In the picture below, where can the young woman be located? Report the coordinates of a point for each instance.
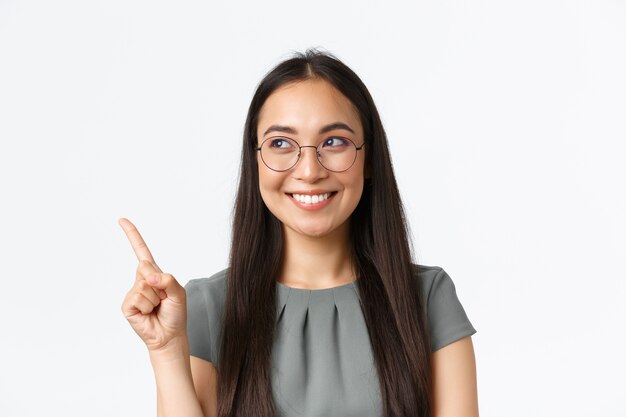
(321, 311)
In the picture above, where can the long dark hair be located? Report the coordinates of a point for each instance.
(392, 302)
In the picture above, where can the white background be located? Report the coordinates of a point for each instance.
(506, 122)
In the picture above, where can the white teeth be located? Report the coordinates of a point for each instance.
(310, 199)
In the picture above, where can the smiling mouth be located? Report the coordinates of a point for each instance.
(307, 199)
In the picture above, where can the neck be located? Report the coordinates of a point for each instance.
(316, 262)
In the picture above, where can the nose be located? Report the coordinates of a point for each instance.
(308, 167)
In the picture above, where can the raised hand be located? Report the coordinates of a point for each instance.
(155, 306)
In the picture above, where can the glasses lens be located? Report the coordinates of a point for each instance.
(337, 154)
(280, 154)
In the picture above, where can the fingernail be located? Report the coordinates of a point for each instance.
(154, 279)
(162, 295)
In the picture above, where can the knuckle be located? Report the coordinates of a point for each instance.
(136, 299)
(157, 295)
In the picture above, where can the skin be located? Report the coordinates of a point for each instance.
(454, 380)
(316, 242)
(316, 256)
(163, 330)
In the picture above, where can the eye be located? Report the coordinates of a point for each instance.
(280, 143)
(335, 142)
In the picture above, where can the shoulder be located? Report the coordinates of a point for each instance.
(207, 293)
(447, 319)
(205, 311)
(216, 283)
(430, 277)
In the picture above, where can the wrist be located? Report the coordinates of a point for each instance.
(177, 348)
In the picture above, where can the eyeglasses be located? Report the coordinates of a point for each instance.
(336, 153)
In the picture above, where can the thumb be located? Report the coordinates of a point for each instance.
(168, 283)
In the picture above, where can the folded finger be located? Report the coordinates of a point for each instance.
(149, 292)
(146, 269)
(141, 303)
(166, 282)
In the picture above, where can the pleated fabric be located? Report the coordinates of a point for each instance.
(322, 363)
(322, 360)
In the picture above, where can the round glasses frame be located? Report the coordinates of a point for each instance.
(317, 154)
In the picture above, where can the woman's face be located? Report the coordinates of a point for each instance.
(299, 111)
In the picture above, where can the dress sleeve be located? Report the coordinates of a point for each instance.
(447, 319)
(198, 329)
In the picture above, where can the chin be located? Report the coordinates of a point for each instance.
(318, 234)
(313, 231)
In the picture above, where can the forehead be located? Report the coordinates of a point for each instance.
(307, 105)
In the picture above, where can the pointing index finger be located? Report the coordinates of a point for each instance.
(137, 242)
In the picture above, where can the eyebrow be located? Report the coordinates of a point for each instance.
(325, 129)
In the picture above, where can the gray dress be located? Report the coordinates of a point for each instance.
(322, 361)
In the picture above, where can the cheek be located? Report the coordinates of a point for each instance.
(356, 176)
(269, 184)
(354, 188)
(355, 182)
